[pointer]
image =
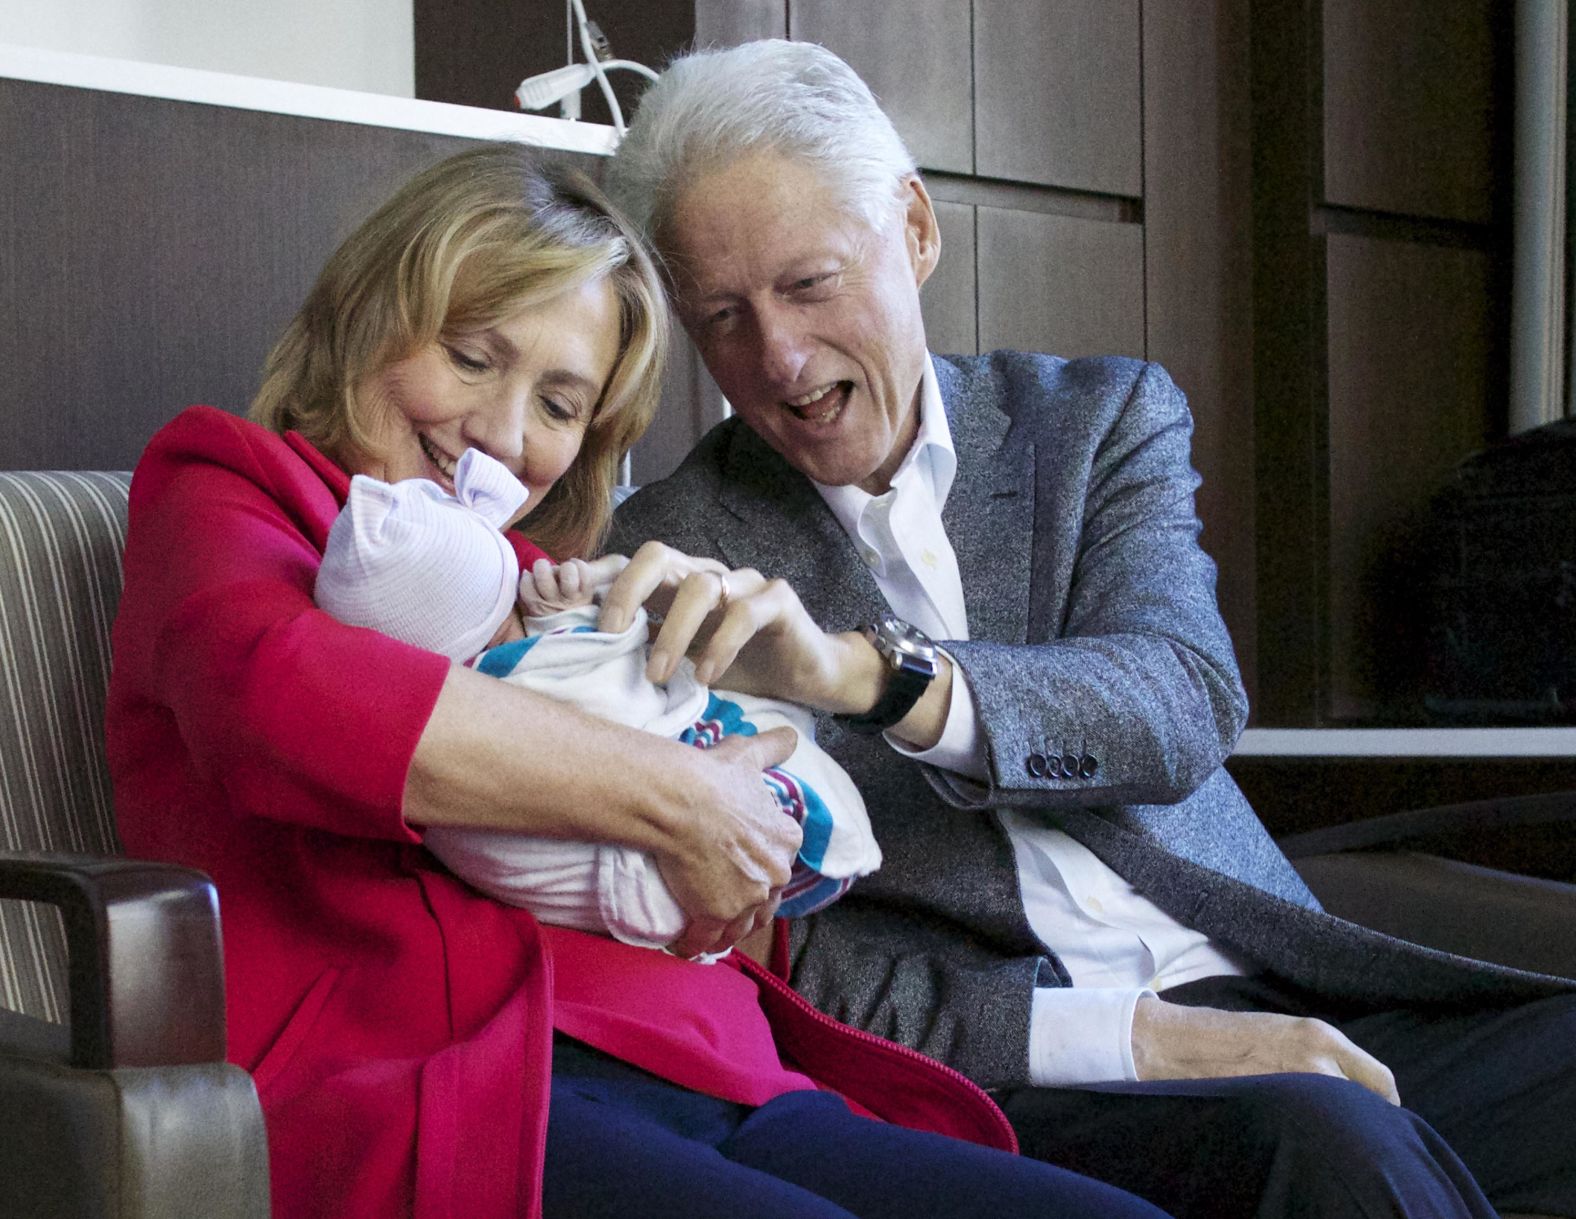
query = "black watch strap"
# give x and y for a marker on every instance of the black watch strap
(911, 664)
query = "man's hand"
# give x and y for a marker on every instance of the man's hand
(743, 631)
(734, 852)
(1175, 1042)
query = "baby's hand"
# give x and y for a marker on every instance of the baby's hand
(548, 588)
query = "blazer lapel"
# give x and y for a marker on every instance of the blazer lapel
(989, 515)
(773, 520)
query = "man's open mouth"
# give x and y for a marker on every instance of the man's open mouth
(821, 404)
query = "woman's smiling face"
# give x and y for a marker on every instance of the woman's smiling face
(523, 391)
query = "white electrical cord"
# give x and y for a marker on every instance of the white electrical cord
(564, 84)
(541, 91)
(589, 48)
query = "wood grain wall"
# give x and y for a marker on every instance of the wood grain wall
(151, 252)
(1381, 246)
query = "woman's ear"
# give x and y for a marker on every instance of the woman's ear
(920, 231)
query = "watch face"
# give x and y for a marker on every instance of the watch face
(895, 638)
(912, 657)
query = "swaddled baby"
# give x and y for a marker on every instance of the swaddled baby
(436, 571)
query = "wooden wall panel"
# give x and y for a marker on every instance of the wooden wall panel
(1287, 338)
(1380, 134)
(151, 252)
(1410, 104)
(1059, 284)
(1057, 93)
(948, 298)
(476, 52)
(1198, 281)
(915, 56)
(1409, 370)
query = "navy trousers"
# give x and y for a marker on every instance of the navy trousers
(624, 1143)
(1488, 1120)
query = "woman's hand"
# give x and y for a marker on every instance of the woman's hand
(743, 631)
(733, 846)
(721, 840)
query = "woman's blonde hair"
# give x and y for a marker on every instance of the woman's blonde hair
(461, 247)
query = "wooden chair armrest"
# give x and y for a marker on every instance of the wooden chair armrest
(146, 973)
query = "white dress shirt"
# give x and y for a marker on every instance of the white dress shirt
(1115, 944)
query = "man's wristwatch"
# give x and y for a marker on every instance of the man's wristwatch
(911, 656)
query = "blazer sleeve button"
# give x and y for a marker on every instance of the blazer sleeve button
(1070, 765)
(1035, 764)
(1087, 766)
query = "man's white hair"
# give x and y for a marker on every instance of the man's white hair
(791, 99)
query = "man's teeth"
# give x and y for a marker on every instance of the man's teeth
(806, 399)
(819, 405)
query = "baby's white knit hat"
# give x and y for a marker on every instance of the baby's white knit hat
(422, 566)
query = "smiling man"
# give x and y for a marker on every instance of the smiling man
(812, 329)
(1078, 908)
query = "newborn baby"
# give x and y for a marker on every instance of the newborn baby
(436, 571)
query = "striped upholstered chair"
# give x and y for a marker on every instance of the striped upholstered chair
(115, 1099)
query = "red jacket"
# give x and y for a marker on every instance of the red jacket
(398, 1023)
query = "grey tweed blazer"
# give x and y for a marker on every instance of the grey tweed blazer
(1095, 634)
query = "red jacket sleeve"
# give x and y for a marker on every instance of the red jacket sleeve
(224, 668)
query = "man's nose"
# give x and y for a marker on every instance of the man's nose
(784, 350)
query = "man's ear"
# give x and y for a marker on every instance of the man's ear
(920, 232)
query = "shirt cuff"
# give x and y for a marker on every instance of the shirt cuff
(1082, 1035)
(960, 748)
